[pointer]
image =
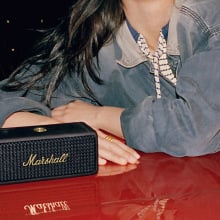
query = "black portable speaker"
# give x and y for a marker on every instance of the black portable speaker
(47, 152)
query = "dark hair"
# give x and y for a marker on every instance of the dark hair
(72, 45)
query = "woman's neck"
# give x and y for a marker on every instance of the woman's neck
(148, 17)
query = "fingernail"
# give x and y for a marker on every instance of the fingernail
(136, 155)
(132, 159)
(123, 161)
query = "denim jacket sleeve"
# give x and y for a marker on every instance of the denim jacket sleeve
(12, 102)
(188, 125)
(15, 101)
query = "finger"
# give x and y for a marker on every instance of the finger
(59, 113)
(109, 150)
(111, 156)
(115, 152)
(133, 156)
(102, 161)
(61, 107)
(59, 110)
(131, 153)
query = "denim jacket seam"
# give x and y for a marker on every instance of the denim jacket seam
(201, 23)
(210, 31)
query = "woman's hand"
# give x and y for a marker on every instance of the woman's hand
(114, 150)
(77, 111)
(100, 118)
(19, 119)
(105, 118)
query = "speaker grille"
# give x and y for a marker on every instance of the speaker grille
(80, 153)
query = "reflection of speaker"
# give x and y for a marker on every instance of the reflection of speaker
(55, 199)
(47, 152)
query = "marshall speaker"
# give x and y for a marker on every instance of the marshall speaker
(47, 152)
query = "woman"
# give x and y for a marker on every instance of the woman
(144, 70)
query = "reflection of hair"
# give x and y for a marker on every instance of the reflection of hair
(72, 45)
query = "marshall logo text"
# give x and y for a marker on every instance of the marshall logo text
(34, 161)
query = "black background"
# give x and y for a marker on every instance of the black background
(21, 33)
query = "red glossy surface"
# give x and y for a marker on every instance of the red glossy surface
(160, 187)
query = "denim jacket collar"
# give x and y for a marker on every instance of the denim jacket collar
(172, 42)
(131, 55)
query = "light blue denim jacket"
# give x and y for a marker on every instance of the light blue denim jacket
(186, 120)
